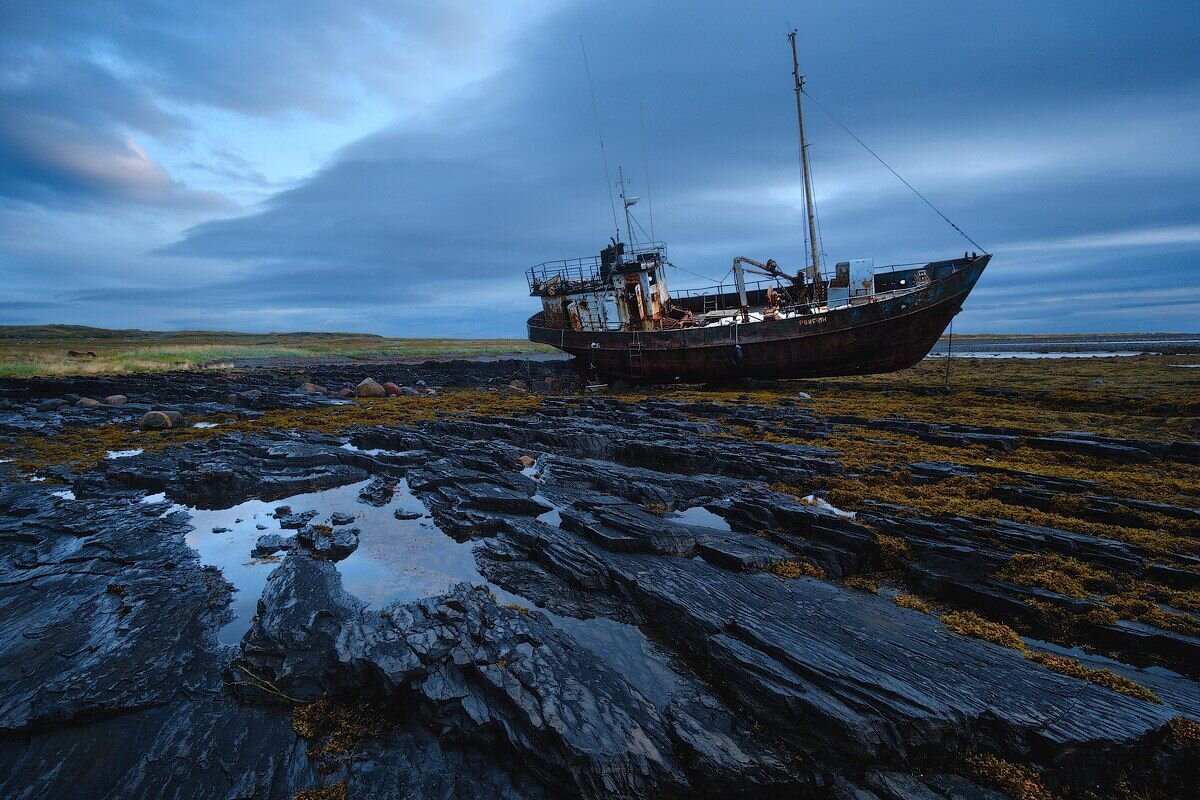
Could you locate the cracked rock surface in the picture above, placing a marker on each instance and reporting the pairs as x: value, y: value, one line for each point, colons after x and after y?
x: 644, y: 596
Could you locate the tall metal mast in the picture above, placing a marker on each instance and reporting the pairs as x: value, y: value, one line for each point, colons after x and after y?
x: 814, y: 271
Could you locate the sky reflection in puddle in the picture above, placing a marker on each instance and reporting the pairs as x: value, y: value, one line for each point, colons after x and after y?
x: 398, y: 560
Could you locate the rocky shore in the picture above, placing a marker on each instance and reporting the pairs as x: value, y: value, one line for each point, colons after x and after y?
x: 480, y: 580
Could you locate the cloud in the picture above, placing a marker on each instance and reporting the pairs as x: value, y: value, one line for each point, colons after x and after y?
x: 475, y: 155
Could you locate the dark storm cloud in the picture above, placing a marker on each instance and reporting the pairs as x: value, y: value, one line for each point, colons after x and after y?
x: 1058, y: 135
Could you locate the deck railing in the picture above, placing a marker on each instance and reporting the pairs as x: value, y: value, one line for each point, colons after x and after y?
x: 583, y: 273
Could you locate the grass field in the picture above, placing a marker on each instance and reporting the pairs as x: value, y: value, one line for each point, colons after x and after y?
x: 28, y: 350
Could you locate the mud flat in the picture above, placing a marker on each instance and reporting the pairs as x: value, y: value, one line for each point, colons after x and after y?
x: 488, y: 582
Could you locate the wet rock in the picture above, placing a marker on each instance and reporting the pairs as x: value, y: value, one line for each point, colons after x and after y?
x: 292, y: 642
x: 116, y: 400
x: 251, y: 398
x: 330, y: 544
x: 740, y: 552
x: 54, y: 404
x: 112, y: 610
x: 161, y: 420
x: 378, y: 492
x: 391, y: 389
x: 231, y: 468
x: 1090, y: 447
x: 272, y: 543
x: 340, y: 518
x: 502, y: 499
x: 503, y: 678
x: 291, y: 521
x: 402, y: 514
x: 369, y: 387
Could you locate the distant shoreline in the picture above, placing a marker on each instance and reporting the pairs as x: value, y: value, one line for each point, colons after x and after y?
x: 33, y: 350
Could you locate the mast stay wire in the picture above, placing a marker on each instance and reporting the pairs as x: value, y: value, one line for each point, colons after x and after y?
x: 600, y: 133
x: 817, y: 214
x: 936, y: 210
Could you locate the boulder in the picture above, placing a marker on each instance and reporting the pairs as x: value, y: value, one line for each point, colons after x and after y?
x: 345, y: 393
x: 251, y: 398
x: 312, y: 388
x: 87, y: 402
x: 53, y: 404
x: 520, y: 386
x: 369, y: 387
x: 392, y: 390
x: 161, y: 420
x: 116, y: 399
x: 409, y: 391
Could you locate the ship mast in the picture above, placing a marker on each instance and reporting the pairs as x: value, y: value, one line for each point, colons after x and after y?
x: 814, y: 270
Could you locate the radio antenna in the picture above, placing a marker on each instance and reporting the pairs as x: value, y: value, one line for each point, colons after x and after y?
x: 600, y: 134
x: 646, y: 161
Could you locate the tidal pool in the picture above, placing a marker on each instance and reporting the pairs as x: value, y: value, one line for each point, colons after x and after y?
x: 399, y: 560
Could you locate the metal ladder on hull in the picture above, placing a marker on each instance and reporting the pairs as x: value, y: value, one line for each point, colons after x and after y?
x: 635, y: 355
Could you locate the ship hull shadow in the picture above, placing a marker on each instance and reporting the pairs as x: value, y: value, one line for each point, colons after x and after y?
x: 881, y: 336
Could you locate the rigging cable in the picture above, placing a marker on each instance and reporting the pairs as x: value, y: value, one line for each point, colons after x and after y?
x: 600, y: 133
x: 897, y: 174
x: 689, y: 272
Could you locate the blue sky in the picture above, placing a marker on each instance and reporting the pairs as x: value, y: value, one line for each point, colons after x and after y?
x: 394, y: 167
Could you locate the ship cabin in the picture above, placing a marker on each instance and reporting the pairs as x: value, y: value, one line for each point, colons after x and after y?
x: 622, y: 289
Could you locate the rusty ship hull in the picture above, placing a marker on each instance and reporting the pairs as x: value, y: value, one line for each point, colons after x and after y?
x: 884, y: 335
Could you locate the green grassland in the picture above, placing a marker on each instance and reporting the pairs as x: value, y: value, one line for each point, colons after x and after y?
x: 28, y: 350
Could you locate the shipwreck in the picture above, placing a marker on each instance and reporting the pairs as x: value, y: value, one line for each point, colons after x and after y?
x: 615, y: 314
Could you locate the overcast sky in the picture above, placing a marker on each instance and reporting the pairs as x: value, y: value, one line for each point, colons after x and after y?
x: 394, y: 167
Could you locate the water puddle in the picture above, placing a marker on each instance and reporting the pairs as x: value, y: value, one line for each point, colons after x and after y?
x: 398, y: 560
x: 205, y: 424
x: 65, y: 494
x: 701, y: 517
x: 123, y: 453
x: 553, y: 517
x: 375, y: 451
